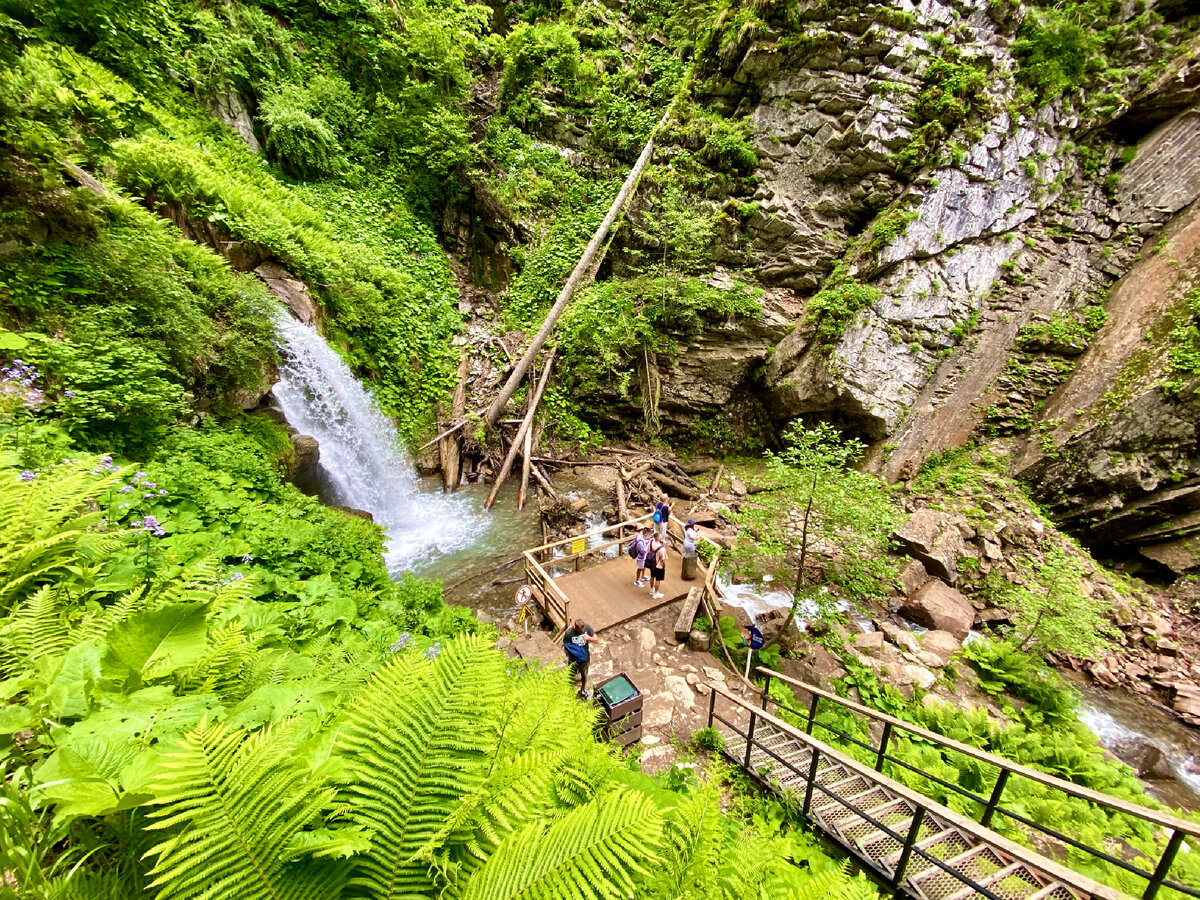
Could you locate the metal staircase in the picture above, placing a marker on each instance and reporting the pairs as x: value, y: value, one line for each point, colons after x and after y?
x: 910, y: 842
x: 874, y: 824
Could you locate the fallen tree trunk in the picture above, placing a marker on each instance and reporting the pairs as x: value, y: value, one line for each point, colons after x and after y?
x: 577, y: 277
x: 671, y: 486
x: 450, y: 447
x: 519, y: 439
x: 546, y: 486
x: 526, y: 465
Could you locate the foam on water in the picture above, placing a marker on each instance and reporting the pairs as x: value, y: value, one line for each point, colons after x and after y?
x: 361, y: 456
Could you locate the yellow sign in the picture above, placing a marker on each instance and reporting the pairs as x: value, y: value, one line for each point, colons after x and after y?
x: 578, y: 545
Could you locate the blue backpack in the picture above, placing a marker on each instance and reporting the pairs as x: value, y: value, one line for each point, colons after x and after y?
x: 577, y: 652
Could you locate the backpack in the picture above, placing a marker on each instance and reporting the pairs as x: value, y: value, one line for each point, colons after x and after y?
x: 635, y: 548
x: 658, y: 513
x: 576, y: 652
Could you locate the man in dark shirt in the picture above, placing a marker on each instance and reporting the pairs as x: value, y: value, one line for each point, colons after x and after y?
x: 575, y: 644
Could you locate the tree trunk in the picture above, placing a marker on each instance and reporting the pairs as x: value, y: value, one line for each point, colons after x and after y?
x: 450, y: 446
x: 519, y: 439
x: 787, y: 623
x: 573, y: 283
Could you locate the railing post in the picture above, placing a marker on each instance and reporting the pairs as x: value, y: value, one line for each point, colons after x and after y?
x: 812, y: 713
x: 812, y: 780
x: 994, y: 800
x: 909, y: 840
x: 1164, y: 865
x: 749, y: 741
x: 883, y: 744
x: 766, y: 692
x: 712, y: 706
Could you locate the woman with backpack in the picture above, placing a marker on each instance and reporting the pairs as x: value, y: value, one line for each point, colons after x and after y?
x: 657, y: 559
x: 662, y: 516
x: 638, y: 548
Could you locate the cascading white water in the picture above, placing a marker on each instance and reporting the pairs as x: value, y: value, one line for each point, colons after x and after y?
x: 361, y: 456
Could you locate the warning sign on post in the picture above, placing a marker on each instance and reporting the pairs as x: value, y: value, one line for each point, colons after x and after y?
x: 578, y: 545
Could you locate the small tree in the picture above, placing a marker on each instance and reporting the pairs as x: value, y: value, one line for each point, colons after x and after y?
x: 850, y: 508
x: 1051, y: 611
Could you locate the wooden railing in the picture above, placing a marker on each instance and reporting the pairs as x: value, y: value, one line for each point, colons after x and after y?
x: 1176, y: 827
x: 555, y: 603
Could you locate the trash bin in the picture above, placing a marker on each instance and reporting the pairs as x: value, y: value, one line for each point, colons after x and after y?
x: 621, y: 702
x: 689, y: 568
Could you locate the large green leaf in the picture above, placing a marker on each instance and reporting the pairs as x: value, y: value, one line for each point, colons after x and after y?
x: 157, y: 642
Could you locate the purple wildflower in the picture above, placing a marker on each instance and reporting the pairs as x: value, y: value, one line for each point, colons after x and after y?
x: 247, y: 559
x: 28, y: 476
x: 68, y: 393
x: 401, y: 642
x: 125, y: 490
x: 433, y: 651
x: 150, y: 485
x: 237, y: 576
x: 138, y: 476
x: 162, y: 492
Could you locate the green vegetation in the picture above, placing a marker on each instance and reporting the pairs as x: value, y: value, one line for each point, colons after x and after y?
x: 952, y: 90
x: 1183, y: 348
x: 849, y: 513
x: 840, y: 299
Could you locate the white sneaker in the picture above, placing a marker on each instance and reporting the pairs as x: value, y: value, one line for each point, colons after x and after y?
x: 657, y: 595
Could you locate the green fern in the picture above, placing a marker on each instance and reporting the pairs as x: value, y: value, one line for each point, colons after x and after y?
x: 46, y: 522
x: 598, y: 851
x: 417, y: 737
x: 239, y: 809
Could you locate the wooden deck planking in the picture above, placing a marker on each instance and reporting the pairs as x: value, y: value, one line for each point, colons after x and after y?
x: 603, y: 595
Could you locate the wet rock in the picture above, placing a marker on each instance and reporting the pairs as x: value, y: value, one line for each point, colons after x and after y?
x: 713, y: 674
x: 1153, y: 764
x: 912, y: 674
x: 940, y: 607
x: 930, y: 660
x: 304, y: 469
x: 290, y: 289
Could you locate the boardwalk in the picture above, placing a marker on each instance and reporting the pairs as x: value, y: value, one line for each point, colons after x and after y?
x: 603, y: 595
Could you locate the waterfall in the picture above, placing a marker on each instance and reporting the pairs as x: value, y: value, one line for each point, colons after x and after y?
x: 361, y: 457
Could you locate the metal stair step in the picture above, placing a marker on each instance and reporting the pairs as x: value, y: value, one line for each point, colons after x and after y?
x: 926, y: 844
x: 880, y: 812
x: 954, y: 862
x: 1048, y: 890
x: 833, y: 804
x: 1000, y: 875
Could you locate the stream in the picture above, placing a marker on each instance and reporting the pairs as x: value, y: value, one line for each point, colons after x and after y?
x: 451, y: 537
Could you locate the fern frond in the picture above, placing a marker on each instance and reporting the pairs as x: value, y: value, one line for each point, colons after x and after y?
x: 236, y: 807
x: 599, y: 851
x: 35, y: 629
x: 417, y: 737
x: 693, y: 836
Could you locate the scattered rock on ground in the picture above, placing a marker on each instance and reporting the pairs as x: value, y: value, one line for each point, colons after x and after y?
x: 940, y: 607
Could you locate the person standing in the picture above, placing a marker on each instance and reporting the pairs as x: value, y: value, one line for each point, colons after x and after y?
x: 662, y: 516
x: 639, y: 549
x: 575, y: 644
x: 690, y: 554
x: 657, y: 559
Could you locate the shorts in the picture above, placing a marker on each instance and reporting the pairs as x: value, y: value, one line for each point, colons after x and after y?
x: 641, y: 562
x: 657, y: 574
x: 660, y: 528
x: 578, y: 667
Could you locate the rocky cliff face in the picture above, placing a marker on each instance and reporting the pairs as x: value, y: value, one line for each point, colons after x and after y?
x: 991, y: 260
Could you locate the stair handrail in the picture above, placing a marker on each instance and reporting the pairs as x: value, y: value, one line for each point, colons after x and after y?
x: 1155, y: 878
x: 1019, y: 852
x: 1166, y: 820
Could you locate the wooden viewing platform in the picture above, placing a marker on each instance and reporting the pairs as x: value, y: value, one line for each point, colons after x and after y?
x: 600, y: 590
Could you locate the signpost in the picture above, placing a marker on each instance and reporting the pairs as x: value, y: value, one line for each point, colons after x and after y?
x: 754, y: 641
x: 524, y: 595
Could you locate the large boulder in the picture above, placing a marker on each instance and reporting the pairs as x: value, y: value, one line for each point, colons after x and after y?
x: 818, y: 666
x: 940, y: 607
x: 933, y: 538
x: 304, y: 468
